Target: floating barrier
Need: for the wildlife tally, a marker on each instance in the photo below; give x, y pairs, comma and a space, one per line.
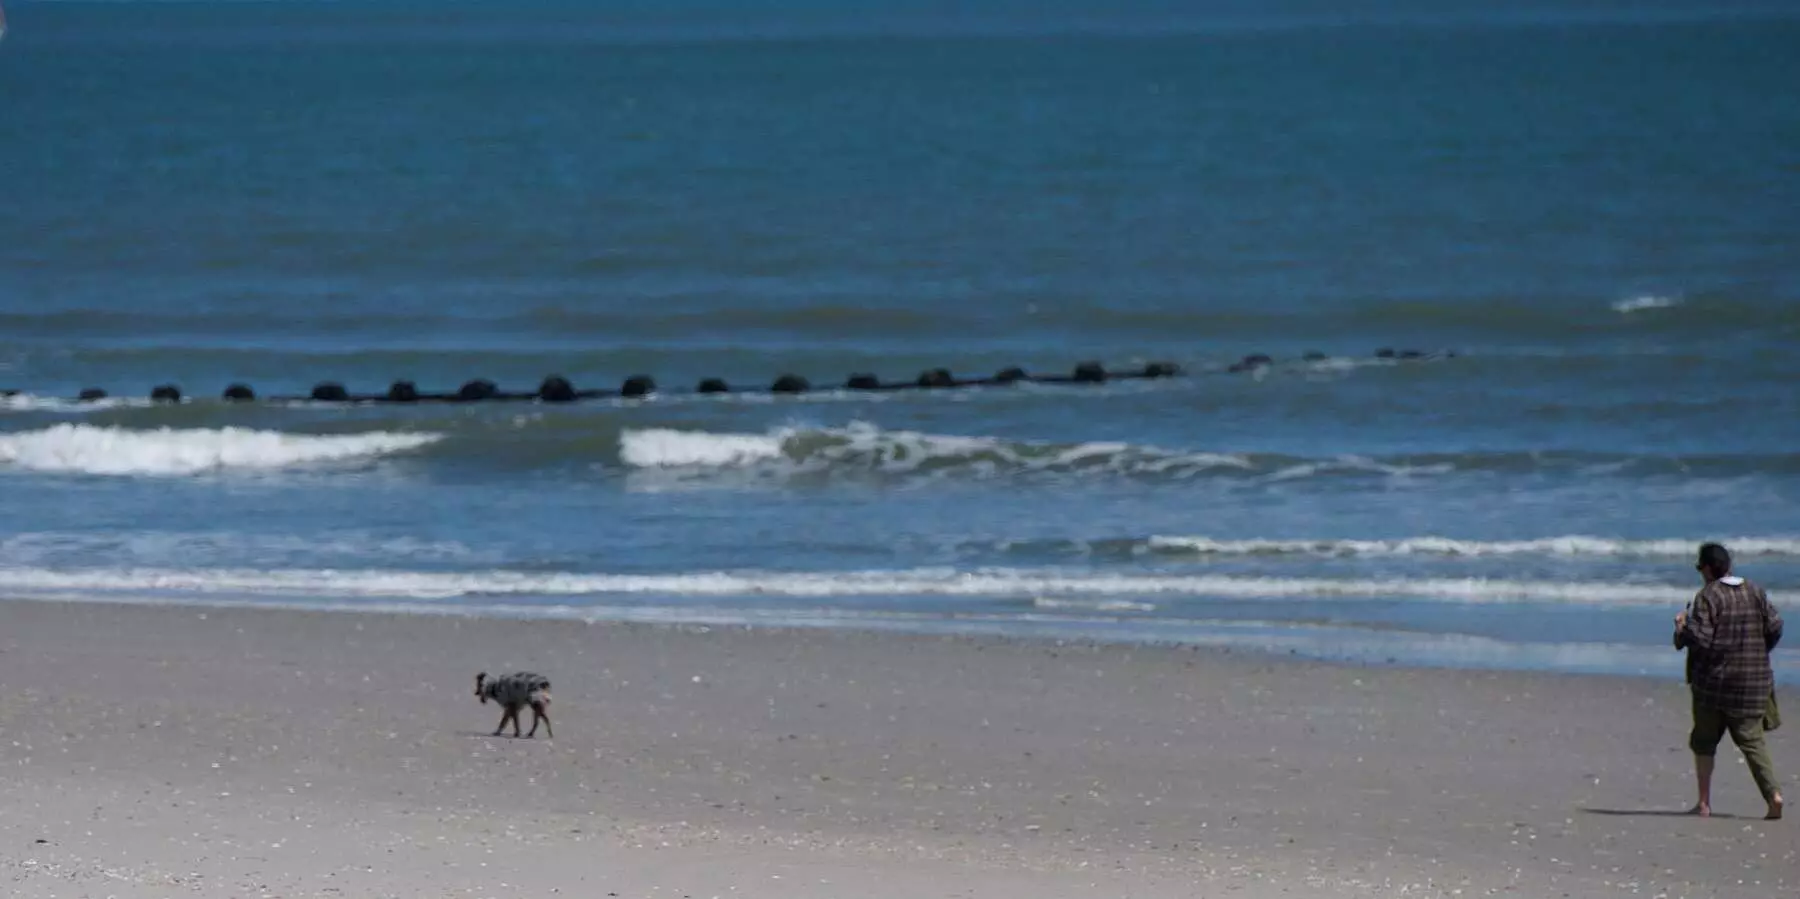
558, 389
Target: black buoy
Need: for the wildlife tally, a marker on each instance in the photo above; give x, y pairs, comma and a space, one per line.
403, 392
790, 384
937, 377
1314, 356
1411, 354
1161, 370
165, 393
476, 390
638, 385
1090, 373
9, 393
1384, 353
863, 381
330, 392
90, 394
1011, 375
714, 385
239, 393
556, 389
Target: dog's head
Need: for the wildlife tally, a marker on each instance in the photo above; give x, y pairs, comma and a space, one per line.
479, 692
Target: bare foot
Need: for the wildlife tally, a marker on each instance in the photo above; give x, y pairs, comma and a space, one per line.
1774, 808
1704, 811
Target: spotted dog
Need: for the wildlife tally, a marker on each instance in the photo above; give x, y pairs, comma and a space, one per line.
514, 691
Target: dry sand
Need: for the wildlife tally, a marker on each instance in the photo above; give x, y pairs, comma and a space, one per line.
149, 752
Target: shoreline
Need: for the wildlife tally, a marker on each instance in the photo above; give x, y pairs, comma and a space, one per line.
145, 740
1287, 641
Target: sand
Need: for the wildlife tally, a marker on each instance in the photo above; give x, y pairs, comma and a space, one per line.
163, 751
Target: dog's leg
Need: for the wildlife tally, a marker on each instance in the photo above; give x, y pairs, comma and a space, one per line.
539, 712
515, 716
504, 714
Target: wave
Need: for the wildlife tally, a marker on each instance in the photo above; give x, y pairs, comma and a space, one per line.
28, 402
341, 545
1033, 585
1092, 605
1643, 302
865, 447
1566, 547
192, 439
86, 449
665, 448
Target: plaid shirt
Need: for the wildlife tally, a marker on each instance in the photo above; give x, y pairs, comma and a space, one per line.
1730, 629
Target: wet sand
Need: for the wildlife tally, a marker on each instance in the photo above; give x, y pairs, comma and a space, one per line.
159, 751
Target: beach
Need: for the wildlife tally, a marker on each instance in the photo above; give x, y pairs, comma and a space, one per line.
1069, 449
175, 751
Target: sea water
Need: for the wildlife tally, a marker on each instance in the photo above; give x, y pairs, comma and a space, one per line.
1594, 206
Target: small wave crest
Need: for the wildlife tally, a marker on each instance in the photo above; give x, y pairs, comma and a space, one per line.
668, 448
1574, 546
86, 449
30, 402
864, 447
1643, 302
1091, 605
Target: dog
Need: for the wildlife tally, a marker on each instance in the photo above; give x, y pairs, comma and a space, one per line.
513, 691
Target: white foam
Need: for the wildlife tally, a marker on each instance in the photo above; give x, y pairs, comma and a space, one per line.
996, 583
343, 546
1575, 546
1646, 301
1092, 605
862, 446
27, 402
85, 449
1349, 363
666, 448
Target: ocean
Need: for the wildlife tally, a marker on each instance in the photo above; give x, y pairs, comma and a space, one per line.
1585, 215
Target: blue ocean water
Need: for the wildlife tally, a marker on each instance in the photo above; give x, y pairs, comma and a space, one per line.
1594, 206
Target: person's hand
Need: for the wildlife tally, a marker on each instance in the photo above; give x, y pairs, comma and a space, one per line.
1681, 619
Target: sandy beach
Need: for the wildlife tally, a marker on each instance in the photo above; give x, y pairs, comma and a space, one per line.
162, 751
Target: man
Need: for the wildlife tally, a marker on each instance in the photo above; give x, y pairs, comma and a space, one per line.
1728, 632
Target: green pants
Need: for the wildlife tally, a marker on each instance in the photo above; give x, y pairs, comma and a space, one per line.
1710, 726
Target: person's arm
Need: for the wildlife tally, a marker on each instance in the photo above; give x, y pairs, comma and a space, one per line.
1697, 631
1771, 623
1681, 618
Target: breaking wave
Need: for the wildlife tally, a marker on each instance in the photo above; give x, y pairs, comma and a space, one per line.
86, 449
1568, 547
1641, 303
1042, 587
859, 450
864, 447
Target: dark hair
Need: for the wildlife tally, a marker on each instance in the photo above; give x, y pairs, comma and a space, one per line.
1716, 557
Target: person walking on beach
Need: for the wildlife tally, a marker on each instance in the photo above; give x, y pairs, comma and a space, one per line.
1728, 631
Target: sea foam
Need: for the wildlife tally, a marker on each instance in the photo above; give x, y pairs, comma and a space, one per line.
1572, 546
1641, 303
865, 447
1039, 586
86, 449
668, 448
